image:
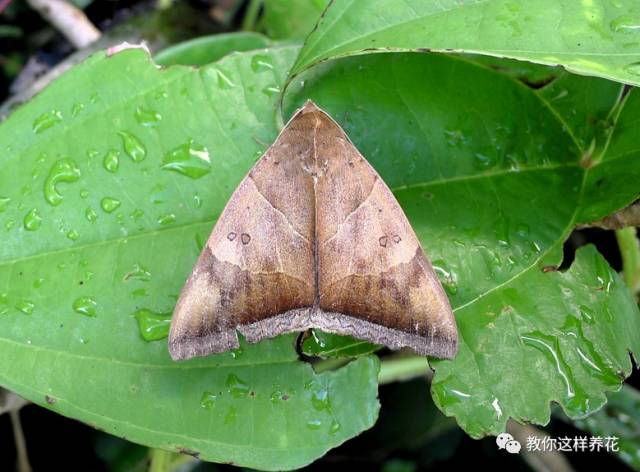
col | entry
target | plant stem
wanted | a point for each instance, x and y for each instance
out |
(630, 252)
(251, 15)
(21, 444)
(161, 460)
(404, 368)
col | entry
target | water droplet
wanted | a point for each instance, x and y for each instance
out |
(9, 224)
(166, 219)
(633, 68)
(147, 117)
(236, 353)
(245, 238)
(38, 282)
(32, 220)
(46, 121)
(190, 159)
(208, 400)
(522, 230)
(76, 109)
(111, 160)
(626, 24)
(25, 306)
(197, 200)
(90, 215)
(109, 204)
(224, 82)
(482, 161)
(153, 326)
(133, 147)
(73, 235)
(4, 203)
(63, 170)
(261, 63)
(314, 424)
(335, 427)
(447, 277)
(137, 214)
(231, 415)
(383, 241)
(276, 396)
(575, 400)
(320, 400)
(586, 314)
(271, 90)
(236, 387)
(84, 193)
(85, 306)
(138, 272)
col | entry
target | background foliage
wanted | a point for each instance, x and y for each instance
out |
(114, 174)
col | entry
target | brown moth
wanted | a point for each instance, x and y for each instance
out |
(312, 238)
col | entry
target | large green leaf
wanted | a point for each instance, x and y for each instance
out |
(594, 37)
(493, 179)
(110, 182)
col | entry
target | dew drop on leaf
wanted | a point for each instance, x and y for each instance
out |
(147, 117)
(236, 387)
(208, 400)
(73, 235)
(63, 170)
(90, 215)
(85, 306)
(137, 214)
(133, 147)
(261, 63)
(482, 161)
(224, 82)
(4, 203)
(586, 314)
(46, 120)
(447, 277)
(166, 219)
(25, 306)
(152, 326)
(32, 220)
(190, 159)
(231, 415)
(111, 161)
(314, 424)
(76, 109)
(109, 204)
(626, 24)
(271, 90)
(335, 427)
(138, 272)
(320, 400)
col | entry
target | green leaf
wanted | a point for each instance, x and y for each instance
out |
(205, 49)
(291, 19)
(598, 37)
(111, 179)
(493, 180)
